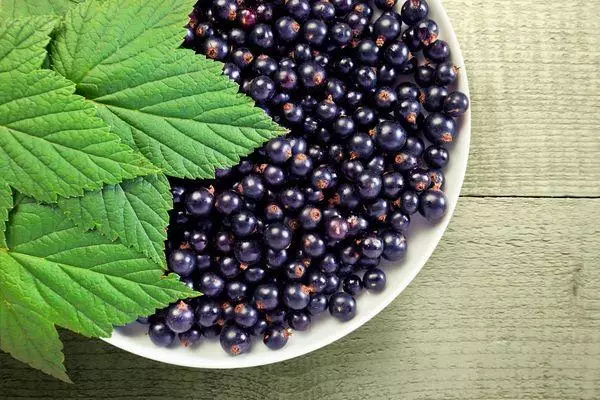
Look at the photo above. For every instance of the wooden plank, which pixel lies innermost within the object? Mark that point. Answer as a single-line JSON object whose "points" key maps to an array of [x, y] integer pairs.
{"points": [[535, 81], [507, 308]]}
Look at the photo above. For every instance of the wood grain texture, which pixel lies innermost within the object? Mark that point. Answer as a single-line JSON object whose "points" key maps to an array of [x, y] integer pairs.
{"points": [[534, 75], [507, 308]]}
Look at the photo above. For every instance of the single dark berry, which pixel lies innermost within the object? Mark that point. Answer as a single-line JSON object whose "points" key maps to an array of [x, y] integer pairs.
{"points": [[393, 184], [208, 312], [367, 52], [266, 297], [436, 156], [387, 27], [299, 320], [211, 284], [287, 28], [313, 245], [433, 204], [233, 72], [276, 336], [180, 317], [324, 177], [385, 98], [361, 146], [394, 246], [418, 179], [315, 32], [216, 48], [190, 337], [279, 150], [245, 315], [366, 78], [445, 73], [390, 136], [399, 222], [438, 51], [242, 57], [160, 334], [434, 98], [277, 236], [414, 11], [374, 280], [425, 76], [261, 88], [369, 185], [312, 74], [456, 104], [264, 65], [408, 203], [342, 306], [408, 90], [261, 36], [182, 262], [364, 116], [427, 31], [296, 296], [247, 251], [371, 246], [292, 199], [299, 9], [439, 128], [341, 33], [352, 285], [235, 340], [333, 284], [318, 304]]}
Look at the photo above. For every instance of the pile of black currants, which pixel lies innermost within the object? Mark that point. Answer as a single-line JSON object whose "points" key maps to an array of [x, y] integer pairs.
{"points": [[300, 226]]}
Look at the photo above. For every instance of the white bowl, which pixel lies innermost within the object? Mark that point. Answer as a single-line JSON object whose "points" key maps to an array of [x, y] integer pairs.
{"points": [[423, 238]]}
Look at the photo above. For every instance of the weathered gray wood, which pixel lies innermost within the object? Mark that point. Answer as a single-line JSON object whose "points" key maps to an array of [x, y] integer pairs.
{"points": [[535, 89], [507, 308]]}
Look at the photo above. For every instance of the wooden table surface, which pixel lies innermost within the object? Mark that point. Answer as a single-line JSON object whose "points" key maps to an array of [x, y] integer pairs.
{"points": [[509, 305]]}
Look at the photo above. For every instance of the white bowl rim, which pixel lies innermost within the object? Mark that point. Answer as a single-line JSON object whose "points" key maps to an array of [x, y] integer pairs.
{"points": [[145, 348]]}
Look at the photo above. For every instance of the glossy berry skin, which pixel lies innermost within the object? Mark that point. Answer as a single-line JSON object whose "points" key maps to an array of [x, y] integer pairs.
{"points": [[264, 65], [434, 98], [229, 267], [211, 284], [301, 165], [386, 75], [433, 204], [180, 317], [287, 28], [361, 146], [276, 258], [326, 110], [225, 10], [247, 251], [341, 33], [296, 296], [317, 305], [342, 306], [261, 36], [369, 185], [259, 328], [395, 246], [286, 79], [364, 116], [294, 271], [351, 169], [261, 88], [445, 73], [299, 320], [352, 285], [385, 98], [313, 245], [245, 315], [371, 246], [367, 52], [277, 236], [456, 104], [409, 114], [336, 228], [408, 90], [324, 177], [413, 11], [235, 340], [233, 72], [374, 280], [216, 48], [366, 78], [377, 164], [427, 31], [387, 27], [276, 336], [424, 76], [439, 128], [311, 74], [333, 284], [160, 334], [243, 224], [237, 37], [323, 10], [418, 179], [438, 51], [266, 297], [273, 175], [207, 312], [390, 136], [436, 156], [399, 222], [315, 32], [182, 262], [408, 202], [393, 184], [299, 9], [190, 337], [236, 291], [279, 150], [344, 126], [292, 199], [242, 57]]}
